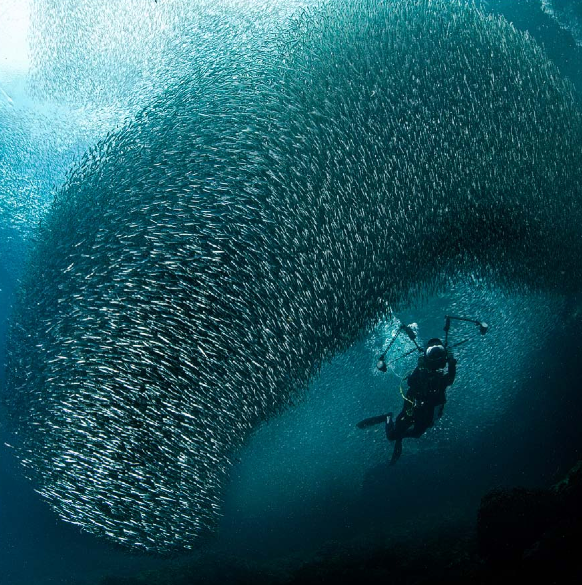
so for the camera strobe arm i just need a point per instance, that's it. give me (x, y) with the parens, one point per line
(483, 327)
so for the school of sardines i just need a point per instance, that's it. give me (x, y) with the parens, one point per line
(203, 261)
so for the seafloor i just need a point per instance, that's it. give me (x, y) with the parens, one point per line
(519, 534)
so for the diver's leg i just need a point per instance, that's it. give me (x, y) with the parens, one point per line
(422, 421)
(397, 451)
(402, 423)
(395, 431)
(373, 420)
(415, 432)
(395, 428)
(389, 428)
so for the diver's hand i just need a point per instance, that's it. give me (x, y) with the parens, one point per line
(451, 359)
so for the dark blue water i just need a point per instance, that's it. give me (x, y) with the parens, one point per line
(304, 481)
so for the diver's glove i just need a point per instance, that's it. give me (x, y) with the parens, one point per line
(451, 359)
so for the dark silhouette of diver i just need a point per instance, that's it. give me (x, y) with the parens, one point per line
(427, 386)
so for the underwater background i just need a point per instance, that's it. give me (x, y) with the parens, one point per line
(306, 488)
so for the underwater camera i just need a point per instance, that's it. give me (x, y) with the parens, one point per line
(441, 358)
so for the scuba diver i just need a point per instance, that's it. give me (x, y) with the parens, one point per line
(427, 385)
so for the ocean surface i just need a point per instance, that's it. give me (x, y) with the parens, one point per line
(261, 462)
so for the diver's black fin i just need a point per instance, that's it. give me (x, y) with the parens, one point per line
(373, 420)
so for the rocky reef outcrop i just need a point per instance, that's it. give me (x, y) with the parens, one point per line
(534, 532)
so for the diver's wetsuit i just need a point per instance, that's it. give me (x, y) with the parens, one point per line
(426, 391)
